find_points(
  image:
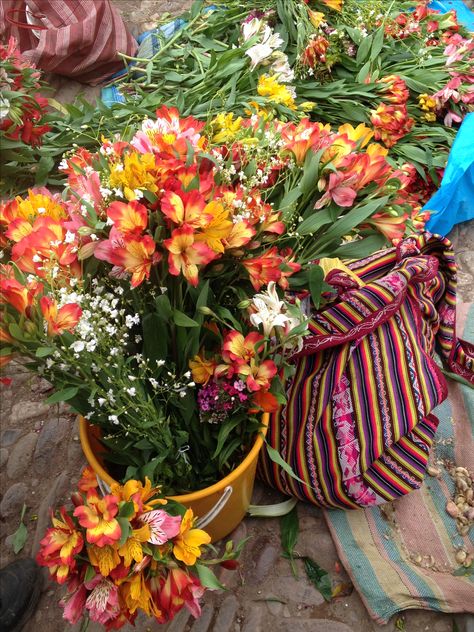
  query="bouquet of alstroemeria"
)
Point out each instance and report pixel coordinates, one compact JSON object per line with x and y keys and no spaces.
{"x":164,"y":293}
{"x":127,"y":551}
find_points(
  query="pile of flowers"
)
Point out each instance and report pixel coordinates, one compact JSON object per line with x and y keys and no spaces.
{"x":22,"y":108}
{"x":125,"y":552}
{"x":164,"y":293}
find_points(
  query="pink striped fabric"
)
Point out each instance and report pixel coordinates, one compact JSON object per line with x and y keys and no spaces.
{"x":77,"y":38}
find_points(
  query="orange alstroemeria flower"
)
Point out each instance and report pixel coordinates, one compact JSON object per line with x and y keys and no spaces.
{"x":241,"y":350}
{"x":19,"y":296}
{"x":392,"y":227}
{"x":188,"y":543}
{"x":18,"y":229}
{"x":265,"y":401}
{"x":136,"y":256}
{"x":202,"y":369}
{"x":259,"y":376}
{"x":59,"y":546}
{"x":141,"y":495}
{"x":88,"y":479}
{"x":185,"y":208}
{"x":185,"y":255}
{"x":130,"y":218}
{"x":263,"y":269}
{"x":135,"y":593}
{"x":299,"y":139}
{"x":98,"y":517}
{"x":59,"y":320}
{"x":240,"y":235}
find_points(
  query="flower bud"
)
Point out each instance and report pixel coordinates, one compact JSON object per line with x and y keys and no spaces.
{"x":205,"y":310}
{"x":244,"y":304}
{"x":321,"y":184}
{"x":230,"y":565}
{"x":30,"y":327}
{"x":77,"y":499}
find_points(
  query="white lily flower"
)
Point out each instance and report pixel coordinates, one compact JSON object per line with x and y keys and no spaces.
{"x":251,"y":28}
{"x":258,"y":54}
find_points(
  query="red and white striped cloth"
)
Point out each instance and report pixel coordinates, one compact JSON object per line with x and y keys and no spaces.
{"x":74,"y":38}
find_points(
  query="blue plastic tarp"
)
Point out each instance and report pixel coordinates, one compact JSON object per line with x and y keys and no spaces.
{"x":454,"y":201}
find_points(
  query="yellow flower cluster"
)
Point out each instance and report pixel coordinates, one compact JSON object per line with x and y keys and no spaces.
{"x":225,"y":128}
{"x":428,"y":105}
{"x":275,"y":92}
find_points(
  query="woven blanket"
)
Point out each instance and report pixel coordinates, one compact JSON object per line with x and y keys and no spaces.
{"x":402,"y":555}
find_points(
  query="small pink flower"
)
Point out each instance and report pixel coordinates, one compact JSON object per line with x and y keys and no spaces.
{"x":102,"y":602}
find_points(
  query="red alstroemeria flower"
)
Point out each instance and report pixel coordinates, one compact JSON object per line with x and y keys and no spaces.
{"x":185,"y":254}
{"x":59,"y":546}
{"x":129,"y":218}
{"x":98,"y":517}
{"x":306,"y":136}
{"x":265,"y":401}
{"x":174,"y":591}
{"x":59,"y":320}
{"x":259,"y":377}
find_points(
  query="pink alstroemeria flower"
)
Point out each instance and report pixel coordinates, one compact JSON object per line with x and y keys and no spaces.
{"x":163,"y":527}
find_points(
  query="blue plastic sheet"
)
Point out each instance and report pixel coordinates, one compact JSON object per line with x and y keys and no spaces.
{"x":464,"y":15}
{"x":454,"y":201}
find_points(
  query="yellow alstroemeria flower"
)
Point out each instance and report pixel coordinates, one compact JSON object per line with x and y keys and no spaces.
{"x":217,"y":229}
{"x":225,"y":127}
{"x":140,"y":495}
{"x":132,"y":549}
{"x":336,"y":5}
{"x":276,"y":92}
{"x":105,"y":557}
{"x":187,"y":545}
{"x":360,"y":134}
{"x":138,"y":172}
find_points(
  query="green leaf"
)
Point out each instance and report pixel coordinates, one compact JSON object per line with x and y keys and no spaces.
{"x":364,"y":49}
{"x":319,"y":577}
{"x":353,"y":218}
{"x":363,"y":72}
{"x":127,"y":509}
{"x":155,"y":337}
{"x":309,"y":179}
{"x":315,"y":282}
{"x":125,"y":529}
{"x":360,"y":247}
{"x":90,"y":573}
{"x":180,"y":319}
{"x":377,"y":43}
{"x":45,"y":166}
{"x":275,"y":456}
{"x":21,"y":534}
{"x":16,"y":332}
{"x":312,"y":223}
{"x":224,"y":431}
{"x":207,"y":578}
{"x":63,"y":396}
{"x":42,"y":352}
{"x":289,"y":529}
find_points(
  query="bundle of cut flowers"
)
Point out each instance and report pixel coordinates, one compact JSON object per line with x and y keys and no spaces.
{"x":128,"y":551}
{"x":165,"y":291}
{"x":335,"y":61}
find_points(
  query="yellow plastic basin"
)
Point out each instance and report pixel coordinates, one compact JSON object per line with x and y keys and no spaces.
{"x":240,"y":480}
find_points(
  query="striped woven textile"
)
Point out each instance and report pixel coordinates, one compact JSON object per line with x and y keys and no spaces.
{"x":357,"y":427}
{"x":74,"y":38}
{"x":402,"y":555}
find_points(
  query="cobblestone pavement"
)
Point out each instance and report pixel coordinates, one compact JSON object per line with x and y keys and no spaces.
{"x":41,"y":457}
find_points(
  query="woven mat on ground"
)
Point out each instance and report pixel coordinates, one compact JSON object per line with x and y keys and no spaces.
{"x":402,"y":555}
